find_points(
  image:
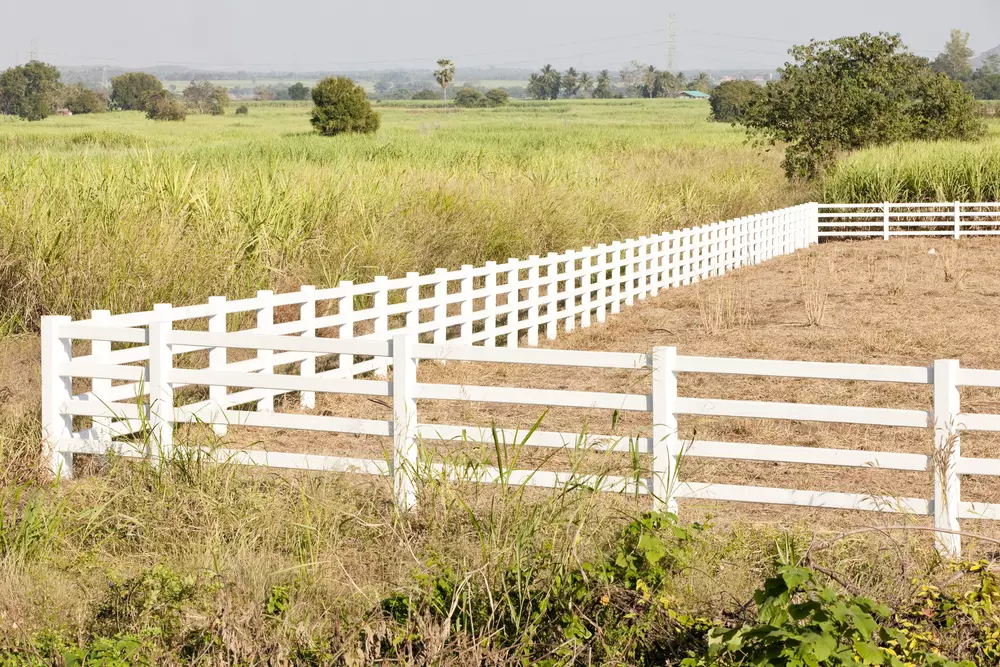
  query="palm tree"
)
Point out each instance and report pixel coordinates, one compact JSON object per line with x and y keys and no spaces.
{"x":702,"y":83}
{"x":445,"y":75}
{"x":586,"y":83}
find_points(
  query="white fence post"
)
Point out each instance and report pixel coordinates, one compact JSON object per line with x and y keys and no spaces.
{"x":958,"y":220}
{"x":551,"y":295}
{"x":616,"y":277}
{"x":602,"y":282}
{"x":380,"y":303}
{"x":630,"y":259}
{"x":642,"y":274}
{"x":404,"y":415}
{"x":345,"y":330}
{"x":465,"y":306}
{"x":586,"y":282}
{"x":218,"y":358}
{"x":514,"y":302}
{"x":569,"y":324}
{"x":440,"y":312}
{"x":947,"y":451}
{"x":265,"y":320}
{"x":100,"y":350}
{"x":490,"y":304}
{"x":814,"y":224}
{"x":665,"y":441}
{"x":56,"y":390}
{"x":307,"y":315}
{"x":161,"y":394}
{"x":534,"y":276}
{"x":885,"y":221}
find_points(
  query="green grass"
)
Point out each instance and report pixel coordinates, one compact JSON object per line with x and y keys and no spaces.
{"x":114,"y":210}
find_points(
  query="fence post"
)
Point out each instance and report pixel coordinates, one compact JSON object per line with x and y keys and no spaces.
{"x":345,"y":330}
{"x":814,"y":220}
{"x":218,"y":358}
{"x":534,"y":261}
{"x":404,"y":416}
{"x":514,"y":302}
{"x":958,"y":220}
{"x":885,"y":221}
{"x":630,"y":260}
{"x":616,"y":277}
{"x":586,"y":281}
{"x":601,"y":284}
{"x":490,"y":304}
{"x":380,"y":303}
{"x":161,"y":394}
{"x":307,"y":315}
{"x":265,"y":319}
{"x":56,"y":390}
{"x":101,"y":351}
{"x":552,"y":295}
{"x":947,"y":451}
{"x":642,"y":254}
{"x":665,"y":440}
{"x":440,"y":311}
{"x":569,"y":324}
{"x":465,"y":307}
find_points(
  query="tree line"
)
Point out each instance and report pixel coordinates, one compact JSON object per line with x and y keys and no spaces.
{"x":956,"y":62}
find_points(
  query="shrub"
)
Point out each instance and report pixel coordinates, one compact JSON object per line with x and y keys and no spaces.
{"x":298,"y":92}
{"x":131,"y":91}
{"x":426,"y":95}
{"x":497,"y":97}
{"x":342,"y":107}
{"x":29,"y":91}
{"x":164,"y":107}
{"x":469,"y":98}
{"x":242,"y":110}
{"x":203,"y":97}
{"x":80,"y":99}
{"x":730,"y":100}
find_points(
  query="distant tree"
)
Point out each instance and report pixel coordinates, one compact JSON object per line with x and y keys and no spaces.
{"x":424,"y":95}
{"x":571,"y":82}
{"x":163,"y":106}
{"x":602,"y":88}
{"x":853,"y":92}
{"x":242,"y":110}
{"x":703,"y":82}
{"x":731,"y":100}
{"x":29,"y":91}
{"x":985,"y":81}
{"x":545,"y":85}
{"x":130,"y":91}
{"x":956,"y":59}
{"x":262,"y":94}
{"x":634,"y":76}
{"x":586,"y":82}
{"x":298,"y":92}
{"x":80,"y":100}
{"x":469,"y":97}
{"x":497,"y":97}
{"x":342,"y":107}
{"x":444,"y":75}
{"x":204,"y":97}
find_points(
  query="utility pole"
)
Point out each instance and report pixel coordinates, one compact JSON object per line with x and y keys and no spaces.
{"x":33,"y":53}
{"x":672,"y":49}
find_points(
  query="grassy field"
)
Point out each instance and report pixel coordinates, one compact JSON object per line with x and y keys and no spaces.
{"x":113,"y":210}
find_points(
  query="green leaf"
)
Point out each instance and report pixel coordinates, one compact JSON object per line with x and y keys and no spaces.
{"x":871,"y":654}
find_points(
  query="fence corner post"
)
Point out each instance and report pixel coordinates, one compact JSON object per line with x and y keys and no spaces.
{"x":666,"y":447}
{"x":380,"y":303}
{"x":404,"y":416}
{"x":307,"y":368}
{"x":161,"y":394}
{"x":958,"y":220}
{"x":947,"y":452}
{"x":56,"y":390}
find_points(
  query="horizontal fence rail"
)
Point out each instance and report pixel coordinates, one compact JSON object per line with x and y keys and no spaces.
{"x":887,"y":219}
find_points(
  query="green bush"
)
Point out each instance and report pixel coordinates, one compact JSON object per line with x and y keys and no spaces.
{"x":242,"y":110}
{"x":730,"y":100}
{"x":469,"y":98}
{"x":80,"y":99}
{"x":132,"y":91}
{"x":342,"y":107}
{"x":426,"y":95}
{"x":497,"y":97}
{"x":162,"y":106}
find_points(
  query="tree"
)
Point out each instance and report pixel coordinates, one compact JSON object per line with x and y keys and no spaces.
{"x":242,"y":110}
{"x":79,"y":99}
{"x":342,"y":107}
{"x":854,"y":92}
{"x":634,"y":75}
{"x":163,"y":106}
{"x":586,"y":82}
{"x":469,"y":97}
{"x":956,"y":59}
{"x":298,"y":92}
{"x":602,"y":89}
{"x":444,"y":75}
{"x":29,"y":91}
{"x":497,"y":97}
{"x":426,"y":94}
{"x":130,"y":91}
{"x":571,"y":82}
{"x":703,"y":82}
{"x":546,"y":84}
{"x":730,"y":100}
{"x":203,"y":97}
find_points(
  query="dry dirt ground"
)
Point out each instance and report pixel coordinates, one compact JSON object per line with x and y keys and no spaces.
{"x":865,"y":302}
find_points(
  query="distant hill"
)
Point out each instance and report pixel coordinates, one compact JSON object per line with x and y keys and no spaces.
{"x":981,"y":58}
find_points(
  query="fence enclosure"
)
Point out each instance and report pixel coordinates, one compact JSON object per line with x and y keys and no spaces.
{"x":885,"y":220}
{"x":339,"y":338}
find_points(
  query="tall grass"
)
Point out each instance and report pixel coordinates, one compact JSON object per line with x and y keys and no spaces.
{"x":114,"y":211}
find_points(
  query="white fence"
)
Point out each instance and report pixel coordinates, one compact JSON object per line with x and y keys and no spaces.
{"x":885,"y":220}
{"x":127,"y":383}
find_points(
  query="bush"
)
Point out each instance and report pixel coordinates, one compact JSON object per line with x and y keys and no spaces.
{"x":298,"y":92}
{"x":80,"y":99}
{"x":164,"y":107}
{"x":342,"y":107}
{"x":427,"y":94}
{"x":203,"y":97}
{"x":730,"y":100}
{"x":131,"y":91}
{"x":469,"y":98}
{"x":497,"y":97}
{"x":242,"y":110}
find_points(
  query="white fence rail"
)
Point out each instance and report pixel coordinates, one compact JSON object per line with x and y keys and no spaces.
{"x":885,"y":220}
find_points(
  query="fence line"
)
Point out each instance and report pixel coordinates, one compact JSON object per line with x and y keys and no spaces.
{"x":887,"y":219}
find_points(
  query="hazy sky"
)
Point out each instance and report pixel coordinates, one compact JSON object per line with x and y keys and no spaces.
{"x":377,"y":34}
